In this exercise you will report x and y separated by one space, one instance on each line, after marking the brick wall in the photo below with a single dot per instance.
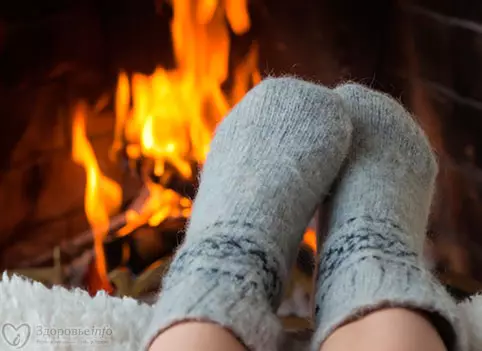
439 53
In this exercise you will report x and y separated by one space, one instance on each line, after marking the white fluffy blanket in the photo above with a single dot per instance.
472 311
34 317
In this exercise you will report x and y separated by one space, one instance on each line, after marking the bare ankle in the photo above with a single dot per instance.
391 329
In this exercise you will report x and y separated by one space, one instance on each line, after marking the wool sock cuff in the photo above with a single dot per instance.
251 321
233 292
374 282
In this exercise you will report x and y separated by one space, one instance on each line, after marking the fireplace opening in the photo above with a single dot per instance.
107 110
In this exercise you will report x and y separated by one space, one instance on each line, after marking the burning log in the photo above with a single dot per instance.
149 280
170 178
47 275
82 243
72 248
143 247
135 253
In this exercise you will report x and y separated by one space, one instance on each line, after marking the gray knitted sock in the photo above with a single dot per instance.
270 162
372 257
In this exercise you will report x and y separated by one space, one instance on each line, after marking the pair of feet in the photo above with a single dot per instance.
272 161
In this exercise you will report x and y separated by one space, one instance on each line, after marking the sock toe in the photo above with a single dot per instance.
388 126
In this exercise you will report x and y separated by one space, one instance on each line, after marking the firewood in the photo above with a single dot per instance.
128 285
72 248
49 275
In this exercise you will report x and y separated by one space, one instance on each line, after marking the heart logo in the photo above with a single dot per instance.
16 336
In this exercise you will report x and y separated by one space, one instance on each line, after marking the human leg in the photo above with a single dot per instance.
372 258
272 160
387 329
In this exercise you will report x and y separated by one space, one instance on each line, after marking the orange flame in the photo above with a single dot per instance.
174 112
102 195
169 117
309 239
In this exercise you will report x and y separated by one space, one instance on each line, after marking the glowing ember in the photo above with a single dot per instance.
169 117
310 239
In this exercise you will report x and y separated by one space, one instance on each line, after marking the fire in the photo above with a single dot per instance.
167 118
309 239
102 195
174 112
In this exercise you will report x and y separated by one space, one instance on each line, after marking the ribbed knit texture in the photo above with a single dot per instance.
271 161
372 257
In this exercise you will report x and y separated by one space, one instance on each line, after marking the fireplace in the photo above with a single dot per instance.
71 69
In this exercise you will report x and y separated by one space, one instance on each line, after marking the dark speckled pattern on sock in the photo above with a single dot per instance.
221 248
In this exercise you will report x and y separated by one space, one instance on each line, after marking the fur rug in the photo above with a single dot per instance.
472 310
34 317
